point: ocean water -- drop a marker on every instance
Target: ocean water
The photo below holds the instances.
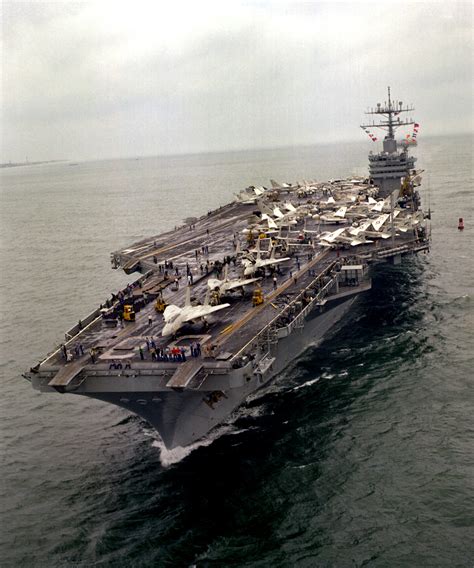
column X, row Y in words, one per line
column 359, row 454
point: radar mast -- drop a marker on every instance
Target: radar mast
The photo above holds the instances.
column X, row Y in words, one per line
column 388, row 167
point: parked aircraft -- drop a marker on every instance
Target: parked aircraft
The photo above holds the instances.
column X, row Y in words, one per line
column 363, row 230
column 228, row 284
column 251, row 266
column 175, row 317
column 337, row 217
column 329, row 239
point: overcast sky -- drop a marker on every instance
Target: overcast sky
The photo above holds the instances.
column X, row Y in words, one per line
column 110, row 79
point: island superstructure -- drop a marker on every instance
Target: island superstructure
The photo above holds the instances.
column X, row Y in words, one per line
column 225, row 302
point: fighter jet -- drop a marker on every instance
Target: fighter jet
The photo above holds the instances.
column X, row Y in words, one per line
column 280, row 218
column 251, row 266
column 175, row 317
column 250, row 194
column 337, row 217
column 277, row 185
column 228, row 285
column 363, row 229
column 337, row 237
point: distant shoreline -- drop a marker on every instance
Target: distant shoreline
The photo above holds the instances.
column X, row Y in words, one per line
column 18, row 164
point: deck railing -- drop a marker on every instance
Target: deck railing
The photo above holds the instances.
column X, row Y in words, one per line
column 260, row 337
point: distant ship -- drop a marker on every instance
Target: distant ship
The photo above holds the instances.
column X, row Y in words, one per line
column 228, row 300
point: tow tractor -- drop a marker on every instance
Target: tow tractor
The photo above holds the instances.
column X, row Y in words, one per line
column 257, row 297
column 160, row 304
column 128, row 312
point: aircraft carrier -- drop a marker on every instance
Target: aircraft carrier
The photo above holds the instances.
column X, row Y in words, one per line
column 223, row 303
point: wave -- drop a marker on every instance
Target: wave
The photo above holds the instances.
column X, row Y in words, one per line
column 171, row 457
column 307, row 384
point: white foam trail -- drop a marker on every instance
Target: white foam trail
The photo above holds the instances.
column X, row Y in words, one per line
column 171, row 457
column 327, row 376
column 307, row 384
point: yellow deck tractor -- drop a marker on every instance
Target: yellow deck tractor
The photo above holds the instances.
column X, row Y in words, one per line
column 160, row 304
column 257, row 297
column 128, row 312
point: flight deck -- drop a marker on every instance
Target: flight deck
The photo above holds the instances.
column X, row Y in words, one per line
column 184, row 258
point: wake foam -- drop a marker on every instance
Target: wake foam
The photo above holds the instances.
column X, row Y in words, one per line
column 174, row 456
column 307, row 384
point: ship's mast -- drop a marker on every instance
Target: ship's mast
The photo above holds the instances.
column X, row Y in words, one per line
column 388, row 111
column 388, row 167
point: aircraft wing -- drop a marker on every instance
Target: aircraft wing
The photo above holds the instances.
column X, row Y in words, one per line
column 379, row 221
column 202, row 311
column 340, row 212
column 378, row 206
column 334, row 235
column 271, row 261
column 270, row 221
column 234, row 284
column 171, row 312
column 277, row 212
column 360, row 229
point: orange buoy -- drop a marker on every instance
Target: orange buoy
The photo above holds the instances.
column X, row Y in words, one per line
column 461, row 224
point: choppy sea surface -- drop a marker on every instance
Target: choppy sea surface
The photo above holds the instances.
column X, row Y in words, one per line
column 359, row 454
